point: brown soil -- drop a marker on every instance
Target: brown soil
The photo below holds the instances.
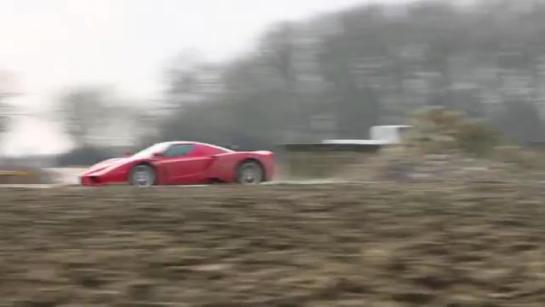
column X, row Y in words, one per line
column 22, row 175
column 337, row 245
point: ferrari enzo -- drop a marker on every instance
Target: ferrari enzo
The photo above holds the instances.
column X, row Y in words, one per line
column 183, row 163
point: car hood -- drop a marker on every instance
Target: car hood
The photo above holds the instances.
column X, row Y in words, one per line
column 107, row 165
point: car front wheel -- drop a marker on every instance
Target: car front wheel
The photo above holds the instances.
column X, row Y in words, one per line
column 250, row 172
column 142, row 176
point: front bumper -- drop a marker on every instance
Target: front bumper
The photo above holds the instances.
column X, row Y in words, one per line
column 101, row 180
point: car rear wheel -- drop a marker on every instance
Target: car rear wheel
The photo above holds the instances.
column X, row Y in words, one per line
column 142, row 176
column 250, row 172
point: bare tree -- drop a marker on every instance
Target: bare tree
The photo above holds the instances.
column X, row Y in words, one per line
column 3, row 115
column 84, row 112
column 8, row 88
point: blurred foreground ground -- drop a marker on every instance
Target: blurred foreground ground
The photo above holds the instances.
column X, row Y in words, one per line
column 464, row 244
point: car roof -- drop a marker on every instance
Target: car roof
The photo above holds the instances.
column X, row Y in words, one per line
column 195, row 143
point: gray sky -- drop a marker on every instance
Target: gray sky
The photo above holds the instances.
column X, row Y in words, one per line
column 53, row 45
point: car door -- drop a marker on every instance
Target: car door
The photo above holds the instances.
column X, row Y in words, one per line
column 182, row 164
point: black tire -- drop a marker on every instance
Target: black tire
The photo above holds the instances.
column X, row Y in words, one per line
column 250, row 172
column 142, row 176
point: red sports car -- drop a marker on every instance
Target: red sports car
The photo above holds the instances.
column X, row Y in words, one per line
column 179, row 163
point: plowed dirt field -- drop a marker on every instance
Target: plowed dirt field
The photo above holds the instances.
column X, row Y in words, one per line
column 480, row 244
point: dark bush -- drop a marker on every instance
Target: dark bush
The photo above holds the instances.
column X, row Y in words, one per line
column 439, row 130
column 84, row 156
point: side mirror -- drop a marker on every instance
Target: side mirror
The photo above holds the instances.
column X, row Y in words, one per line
column 157, row 155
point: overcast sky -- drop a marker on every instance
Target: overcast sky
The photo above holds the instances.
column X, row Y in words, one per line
column 53, row 45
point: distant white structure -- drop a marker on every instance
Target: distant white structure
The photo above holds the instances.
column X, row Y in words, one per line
column 380, row 135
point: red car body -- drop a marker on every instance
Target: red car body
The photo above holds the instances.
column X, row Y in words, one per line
column 201, row 164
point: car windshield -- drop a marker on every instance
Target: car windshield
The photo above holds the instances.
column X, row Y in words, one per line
column 148, row 152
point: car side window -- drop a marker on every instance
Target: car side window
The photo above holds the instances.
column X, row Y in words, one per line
column 178, row 150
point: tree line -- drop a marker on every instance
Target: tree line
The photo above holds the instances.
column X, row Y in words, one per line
column 336, row 75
